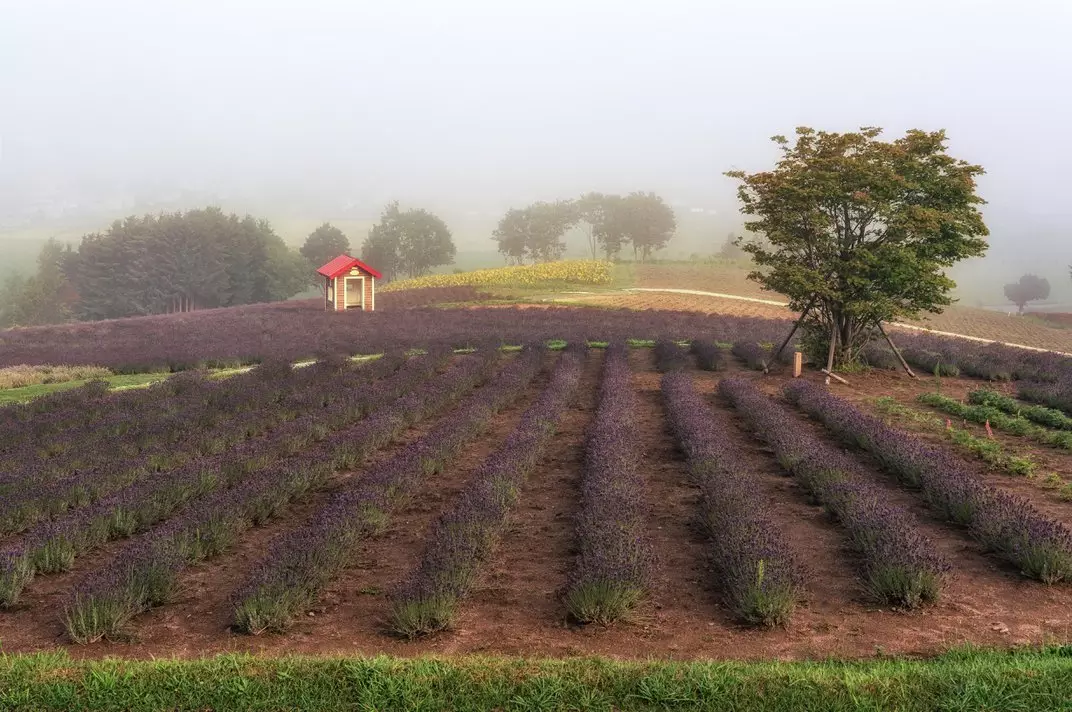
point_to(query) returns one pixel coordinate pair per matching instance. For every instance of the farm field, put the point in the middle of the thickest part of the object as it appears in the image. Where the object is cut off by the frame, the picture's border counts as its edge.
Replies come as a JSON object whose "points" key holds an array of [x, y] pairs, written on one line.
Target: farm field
{"points": [[514, 605], [733, 279]]}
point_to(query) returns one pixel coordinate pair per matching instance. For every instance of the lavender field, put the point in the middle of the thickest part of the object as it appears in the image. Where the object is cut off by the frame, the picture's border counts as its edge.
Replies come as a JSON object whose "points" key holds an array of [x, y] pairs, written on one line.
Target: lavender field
{"points": [[621, 483]]}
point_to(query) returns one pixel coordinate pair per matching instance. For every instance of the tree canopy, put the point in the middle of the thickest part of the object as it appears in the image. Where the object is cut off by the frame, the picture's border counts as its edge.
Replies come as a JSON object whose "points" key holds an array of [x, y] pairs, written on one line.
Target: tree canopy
{"points": [[178, 261], [537, 232], [411, 241], [324, 244], [649, 223], [1028, 289], [858, 230], [43, 298]]}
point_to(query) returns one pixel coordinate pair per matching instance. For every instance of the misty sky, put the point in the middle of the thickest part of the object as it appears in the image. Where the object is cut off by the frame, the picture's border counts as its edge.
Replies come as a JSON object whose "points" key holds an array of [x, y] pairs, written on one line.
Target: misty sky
{"points": [[491, 100]]}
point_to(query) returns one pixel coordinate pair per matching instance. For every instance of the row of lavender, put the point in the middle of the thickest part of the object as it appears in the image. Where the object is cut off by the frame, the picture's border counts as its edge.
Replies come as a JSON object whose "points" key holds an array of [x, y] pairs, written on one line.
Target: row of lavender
{"points": [[900, 565], [145, 573], [53, 545], [257, 333], [463, 539], [1006, 524], [614, 561], [188, 421], [300, 563], [756, 568], [57, 434]]}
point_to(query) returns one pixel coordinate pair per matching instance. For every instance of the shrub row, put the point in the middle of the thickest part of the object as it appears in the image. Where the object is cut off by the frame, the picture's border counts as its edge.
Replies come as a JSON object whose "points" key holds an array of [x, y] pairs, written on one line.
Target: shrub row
{"points": [[213, 417], [613, 566], [931, 362], [1054, 394], [900, 564], [1050, 417], [1004, 523], [300, 563], [709, 356], [998, 418], [669, 356], [754, 356], [756, 567], [462, 540], [145, 573], [53, 546]]}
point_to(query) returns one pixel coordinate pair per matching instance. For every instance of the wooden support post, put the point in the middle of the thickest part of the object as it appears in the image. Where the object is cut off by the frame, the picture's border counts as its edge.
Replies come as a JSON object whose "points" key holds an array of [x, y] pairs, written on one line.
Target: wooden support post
{"points": [[830, 354], [794, 330], [836, 377], [896, 352], [798, 363]]}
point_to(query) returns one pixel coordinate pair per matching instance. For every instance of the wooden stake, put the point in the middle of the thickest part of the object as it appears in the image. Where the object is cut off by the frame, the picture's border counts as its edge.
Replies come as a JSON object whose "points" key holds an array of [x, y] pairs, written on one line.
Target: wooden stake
{"points": [[798, 363], [896, 352], [830, 354]]}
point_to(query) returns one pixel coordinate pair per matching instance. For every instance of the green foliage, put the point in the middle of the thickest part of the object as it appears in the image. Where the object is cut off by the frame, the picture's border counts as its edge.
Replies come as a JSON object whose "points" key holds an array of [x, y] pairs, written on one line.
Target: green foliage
{"points": [[863, 227], [535, 233], [46, 297], [609, 222], [1030, 288], [181, 261], [411, 242], [649, 223], [324, 244], [1012, 424], [987, 450], [1050, 417]]}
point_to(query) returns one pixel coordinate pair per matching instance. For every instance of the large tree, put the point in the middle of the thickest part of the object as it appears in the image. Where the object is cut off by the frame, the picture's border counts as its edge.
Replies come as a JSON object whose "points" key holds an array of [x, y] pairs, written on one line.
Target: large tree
{"points": [[649, 223], [324, 244], [858, 230], [535, 232], [1029, 288], [410, 241]]}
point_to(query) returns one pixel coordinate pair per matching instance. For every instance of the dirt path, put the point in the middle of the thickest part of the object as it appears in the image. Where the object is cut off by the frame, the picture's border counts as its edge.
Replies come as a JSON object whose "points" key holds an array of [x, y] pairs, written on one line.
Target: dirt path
{"points": [[517, 606]]}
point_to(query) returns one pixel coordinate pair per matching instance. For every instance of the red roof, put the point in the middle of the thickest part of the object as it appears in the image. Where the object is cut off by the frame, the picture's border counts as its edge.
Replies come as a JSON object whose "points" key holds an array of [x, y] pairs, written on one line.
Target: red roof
{"points": [[344, 263]]}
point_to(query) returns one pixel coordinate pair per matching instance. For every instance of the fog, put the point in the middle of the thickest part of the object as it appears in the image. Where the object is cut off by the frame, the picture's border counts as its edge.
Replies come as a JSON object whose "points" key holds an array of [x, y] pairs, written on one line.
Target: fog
{"points": [[318, 109]]}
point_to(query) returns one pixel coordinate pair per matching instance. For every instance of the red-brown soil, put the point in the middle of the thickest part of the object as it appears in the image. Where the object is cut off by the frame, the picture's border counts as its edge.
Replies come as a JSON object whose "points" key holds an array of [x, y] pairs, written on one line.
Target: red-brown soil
{"points": [[516, 608]]}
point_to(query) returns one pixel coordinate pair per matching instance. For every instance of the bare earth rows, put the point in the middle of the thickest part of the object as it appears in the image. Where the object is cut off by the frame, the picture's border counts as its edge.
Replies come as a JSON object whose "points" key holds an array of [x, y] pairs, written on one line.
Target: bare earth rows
{"points": [[517, 609]]}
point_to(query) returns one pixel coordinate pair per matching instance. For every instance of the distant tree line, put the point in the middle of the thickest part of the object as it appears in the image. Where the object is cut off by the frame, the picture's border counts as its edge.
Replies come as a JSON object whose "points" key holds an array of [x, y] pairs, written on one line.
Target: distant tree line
{"points": [[201, 259], [642, 221]]}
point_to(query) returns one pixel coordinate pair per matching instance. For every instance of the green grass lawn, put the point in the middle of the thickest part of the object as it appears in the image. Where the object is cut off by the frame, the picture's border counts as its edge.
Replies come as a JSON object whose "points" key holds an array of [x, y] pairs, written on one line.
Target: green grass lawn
{"points": [[964, 680], [25, 393]]}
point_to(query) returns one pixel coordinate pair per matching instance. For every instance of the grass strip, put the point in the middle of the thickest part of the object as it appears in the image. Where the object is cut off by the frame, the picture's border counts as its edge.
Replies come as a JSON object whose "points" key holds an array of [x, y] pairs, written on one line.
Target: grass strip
{"points": [[967, 679]]}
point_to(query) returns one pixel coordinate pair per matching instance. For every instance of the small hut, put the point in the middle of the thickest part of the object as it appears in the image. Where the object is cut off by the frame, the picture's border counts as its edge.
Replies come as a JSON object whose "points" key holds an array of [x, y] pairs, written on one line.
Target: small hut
{"points": [[349, 283]]}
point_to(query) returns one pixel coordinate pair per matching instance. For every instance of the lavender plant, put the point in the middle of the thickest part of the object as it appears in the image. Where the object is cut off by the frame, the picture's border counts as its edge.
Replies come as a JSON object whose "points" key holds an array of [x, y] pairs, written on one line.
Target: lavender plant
{"points": [[145, 573], [52, 546], [300, 563], [900, 565], [1006, 524], [754, 356], [669, 356], [708, 355], [463, 539], [613, 566], [756, 567]]}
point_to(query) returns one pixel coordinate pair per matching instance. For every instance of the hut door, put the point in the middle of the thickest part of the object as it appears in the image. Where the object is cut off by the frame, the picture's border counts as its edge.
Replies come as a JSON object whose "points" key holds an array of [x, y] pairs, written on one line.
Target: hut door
{"points": [[355, 292]]}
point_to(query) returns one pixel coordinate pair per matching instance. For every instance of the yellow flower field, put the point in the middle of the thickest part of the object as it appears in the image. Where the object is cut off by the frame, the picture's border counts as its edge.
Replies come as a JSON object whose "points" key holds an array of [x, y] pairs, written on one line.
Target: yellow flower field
{"points": [[537, 275]]}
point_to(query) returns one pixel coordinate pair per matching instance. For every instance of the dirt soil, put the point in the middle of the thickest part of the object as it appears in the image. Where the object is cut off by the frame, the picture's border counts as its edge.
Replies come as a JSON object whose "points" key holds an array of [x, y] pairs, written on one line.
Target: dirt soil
{"points": [[517, 609]]}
